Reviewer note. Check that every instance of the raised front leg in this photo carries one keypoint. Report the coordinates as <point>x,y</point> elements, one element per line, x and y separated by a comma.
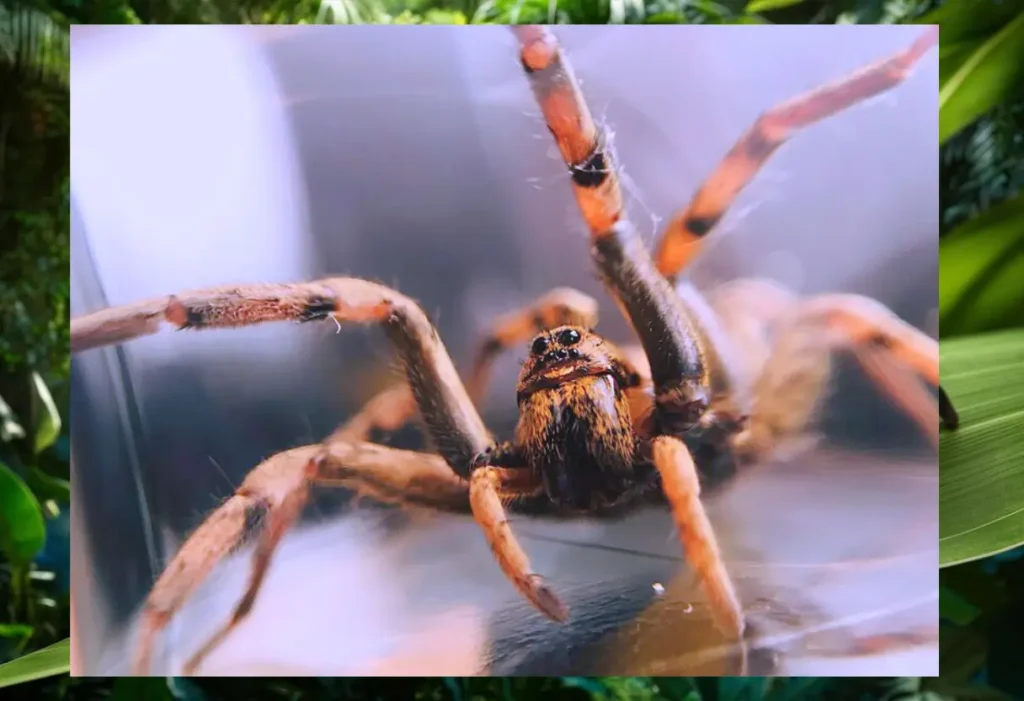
<point>670,331</point>
<point>683,235</point>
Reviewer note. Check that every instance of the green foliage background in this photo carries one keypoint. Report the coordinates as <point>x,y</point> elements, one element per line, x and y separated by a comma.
<point>982,254</point>
<point>34,362</point>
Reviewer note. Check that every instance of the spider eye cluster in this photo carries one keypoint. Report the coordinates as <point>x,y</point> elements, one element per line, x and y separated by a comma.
<point>565,338</point>
<point>568,337</point>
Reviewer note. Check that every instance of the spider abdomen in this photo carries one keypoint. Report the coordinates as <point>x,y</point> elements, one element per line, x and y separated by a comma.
<point>578,437</point>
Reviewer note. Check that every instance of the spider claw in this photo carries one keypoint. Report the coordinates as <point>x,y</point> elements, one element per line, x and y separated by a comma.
<point>545,599</point>
<point>482,459</point>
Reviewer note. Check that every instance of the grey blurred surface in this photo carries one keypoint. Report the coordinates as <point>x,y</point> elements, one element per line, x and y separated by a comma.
<point>211,155</point>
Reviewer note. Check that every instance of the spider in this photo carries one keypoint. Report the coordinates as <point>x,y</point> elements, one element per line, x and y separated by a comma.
<point>718,381</point>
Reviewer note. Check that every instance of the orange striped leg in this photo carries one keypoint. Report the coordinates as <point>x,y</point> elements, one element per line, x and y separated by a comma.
<point>277,490</point>
<point>681,487</point>
<point>388,410</point>
<point>450,417</point>
<point>681,239</point>
<point>666,328</point>
<point>595,181</point>
<point>894,354</point>
<point>902,387</point>
<point>278,521</point>
<point>488,488</point>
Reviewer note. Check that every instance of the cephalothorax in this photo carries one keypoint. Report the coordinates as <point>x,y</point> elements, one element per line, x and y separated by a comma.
<point>717,381</point>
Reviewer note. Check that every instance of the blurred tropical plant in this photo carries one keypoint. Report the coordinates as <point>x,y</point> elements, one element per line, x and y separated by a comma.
<point>508,689</point>
<point>34,257</point>
<point>34,363</point>
<point>35,495</point>
<point>981,312</point>
<point>981,308</point>
<point>981,133</point>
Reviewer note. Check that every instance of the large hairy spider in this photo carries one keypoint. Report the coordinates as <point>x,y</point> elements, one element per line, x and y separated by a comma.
<point>716,383</point>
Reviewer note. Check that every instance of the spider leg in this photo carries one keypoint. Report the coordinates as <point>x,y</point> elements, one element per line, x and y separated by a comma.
<point>393,476</point>
<point>279,519</point>
<point>278,489</point>
<point>393,407</point>
<point>277,485</point>
<point>947,412</point>
<point>894,354</point>
<point>595,182</point>
<point>668,327</point>
<point>389,410</point>
<point>450,417</point>
<point>681,486</point>
<point>488,488</point>
<point>682,236</point>
<point>902,387</point>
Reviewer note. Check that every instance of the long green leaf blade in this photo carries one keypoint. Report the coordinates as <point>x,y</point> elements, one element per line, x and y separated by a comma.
<point>48,662</point>
<point>981,484</point>
<point>984,79</point>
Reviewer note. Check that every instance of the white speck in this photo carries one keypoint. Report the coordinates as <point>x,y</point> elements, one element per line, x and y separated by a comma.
<point>658,588</point>
<point>689,608</point>
<point>335,320</point>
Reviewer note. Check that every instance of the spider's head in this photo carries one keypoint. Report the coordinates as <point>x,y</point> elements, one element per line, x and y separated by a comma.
<point>564,354</point>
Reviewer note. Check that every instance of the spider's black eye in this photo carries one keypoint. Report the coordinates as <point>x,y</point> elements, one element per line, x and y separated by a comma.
<point>569,337</point>
<point>540,344</point>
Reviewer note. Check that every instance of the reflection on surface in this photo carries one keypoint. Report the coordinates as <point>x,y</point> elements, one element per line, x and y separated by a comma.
<point>833,555</point>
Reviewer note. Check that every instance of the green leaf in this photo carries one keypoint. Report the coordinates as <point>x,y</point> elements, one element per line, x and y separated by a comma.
<point>591,686</point>
<point>48,662</point>
<point>46,418</point>
<point>767,5</point>
<point>22,529</point>
<point>981,483</point>
<point>676,688</point>
<point>981,264</point>
<point>21,631</point>
<point>970,20</point>
<point>984,78</point>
